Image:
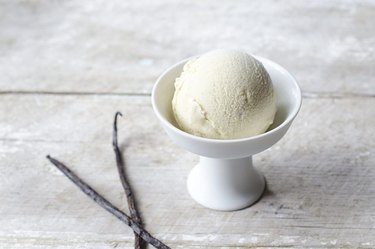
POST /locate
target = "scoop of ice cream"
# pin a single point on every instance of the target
(224, 94)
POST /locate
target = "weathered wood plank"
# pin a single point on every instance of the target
(122, 46)
(320, 178)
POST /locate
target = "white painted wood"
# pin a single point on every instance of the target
(320, 178)
(122, 46)
(321, 190)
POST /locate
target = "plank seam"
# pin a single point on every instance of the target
(306, 95)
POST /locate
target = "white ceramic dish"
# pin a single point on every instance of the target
(225, 178)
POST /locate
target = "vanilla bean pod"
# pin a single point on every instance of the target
(138, 242)
(104, 203)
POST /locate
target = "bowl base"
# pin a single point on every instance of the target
(225, 184)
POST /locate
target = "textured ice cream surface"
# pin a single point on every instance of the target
(224, 94)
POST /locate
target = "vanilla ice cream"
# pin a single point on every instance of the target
(224, 94)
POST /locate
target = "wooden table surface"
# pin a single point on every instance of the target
(67, 66)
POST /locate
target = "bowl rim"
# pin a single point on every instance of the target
(170, 126)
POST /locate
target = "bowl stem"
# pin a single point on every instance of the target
(225, 184)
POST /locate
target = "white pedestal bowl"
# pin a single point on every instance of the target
(225, 179)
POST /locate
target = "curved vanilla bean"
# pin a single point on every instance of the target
(138, 242)
(104, 203)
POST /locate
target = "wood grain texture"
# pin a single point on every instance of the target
(122, 46)
(321, 192)
(67, 66)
